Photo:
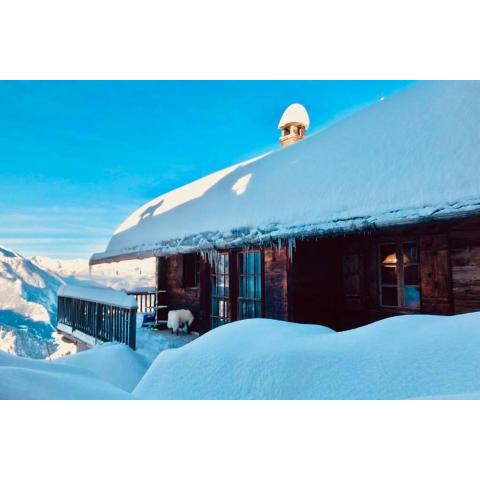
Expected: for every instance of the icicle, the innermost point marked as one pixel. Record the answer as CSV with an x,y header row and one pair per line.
x,y
292,245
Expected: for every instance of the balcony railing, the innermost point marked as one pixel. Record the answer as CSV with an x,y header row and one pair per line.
x,y
102,314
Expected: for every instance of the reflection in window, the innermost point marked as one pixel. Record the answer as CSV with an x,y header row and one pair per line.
x,y
249,284
220,283
399,275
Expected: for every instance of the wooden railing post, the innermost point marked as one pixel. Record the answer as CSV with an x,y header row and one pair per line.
x,y
132,329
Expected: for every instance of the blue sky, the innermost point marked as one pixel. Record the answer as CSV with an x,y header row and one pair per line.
x,y
78,157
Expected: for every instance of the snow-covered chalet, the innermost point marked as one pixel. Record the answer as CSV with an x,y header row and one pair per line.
x,y
376,215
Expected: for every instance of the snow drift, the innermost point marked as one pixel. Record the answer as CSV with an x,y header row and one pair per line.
x,y
409,356
412,157
29,379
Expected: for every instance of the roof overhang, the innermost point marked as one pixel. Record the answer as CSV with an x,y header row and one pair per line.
x,y
341,227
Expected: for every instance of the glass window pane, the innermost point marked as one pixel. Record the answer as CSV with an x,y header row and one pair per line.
x,y
410,253
251,263
389,274
258,287
242,312
226,263
251,286
388,253
258,265
410,273
251,309
258,309
389,296
214,307
411,297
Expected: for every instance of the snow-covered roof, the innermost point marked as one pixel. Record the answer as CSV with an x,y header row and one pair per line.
x,y
409,158
295,113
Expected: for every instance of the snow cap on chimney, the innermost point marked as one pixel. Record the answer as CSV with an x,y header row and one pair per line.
x,y
293,124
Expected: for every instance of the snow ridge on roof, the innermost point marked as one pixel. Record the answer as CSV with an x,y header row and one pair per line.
x,y
412,157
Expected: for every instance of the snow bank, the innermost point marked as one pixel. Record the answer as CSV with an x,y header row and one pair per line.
x,y
412,157
98,294
410,356
113,363
28,379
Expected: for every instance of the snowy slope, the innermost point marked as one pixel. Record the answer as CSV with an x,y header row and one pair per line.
x,y
125,275
27,306
410,356
413,156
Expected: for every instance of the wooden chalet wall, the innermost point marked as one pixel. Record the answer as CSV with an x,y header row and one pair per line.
x,y
465,263
335,281
449,261
179,297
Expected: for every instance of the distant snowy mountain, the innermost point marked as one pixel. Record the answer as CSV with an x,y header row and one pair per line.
x,y
27,307
28,297
125,275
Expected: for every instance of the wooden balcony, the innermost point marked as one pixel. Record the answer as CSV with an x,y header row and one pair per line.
x,y
99,314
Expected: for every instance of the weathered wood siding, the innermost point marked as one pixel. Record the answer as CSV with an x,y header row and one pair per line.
x,y
465,261
276,272
435,277
335,281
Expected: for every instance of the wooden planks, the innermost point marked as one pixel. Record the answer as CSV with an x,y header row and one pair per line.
x,y
465,261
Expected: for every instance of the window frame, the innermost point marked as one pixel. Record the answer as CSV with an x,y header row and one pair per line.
x,y
218,320
400,285
257,300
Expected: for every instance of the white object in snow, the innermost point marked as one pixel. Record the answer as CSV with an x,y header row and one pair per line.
x,y
177,319
413,157
104,295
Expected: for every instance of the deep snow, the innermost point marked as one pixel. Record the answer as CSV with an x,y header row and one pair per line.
x,y
411,356
412,157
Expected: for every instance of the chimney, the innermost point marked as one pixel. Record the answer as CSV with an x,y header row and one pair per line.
x,y
293,124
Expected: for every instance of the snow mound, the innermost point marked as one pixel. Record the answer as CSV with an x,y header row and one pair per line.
x,y
28,379
402,357
412,157
113,363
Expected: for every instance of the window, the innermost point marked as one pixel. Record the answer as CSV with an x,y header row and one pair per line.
x,y
249,284
191,270
399,275
220,282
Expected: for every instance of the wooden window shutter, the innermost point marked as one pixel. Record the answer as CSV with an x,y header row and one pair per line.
x,y
435,274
